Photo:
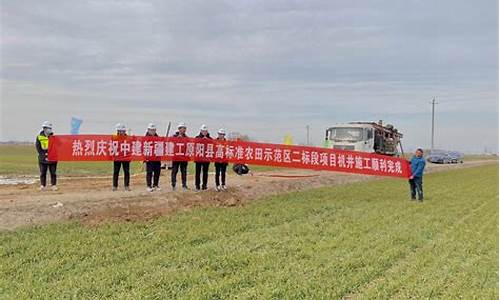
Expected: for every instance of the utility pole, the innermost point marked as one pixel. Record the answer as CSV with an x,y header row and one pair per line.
x,y
307,129
432,127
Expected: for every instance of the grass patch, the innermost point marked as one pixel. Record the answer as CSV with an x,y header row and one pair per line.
x,y
365,239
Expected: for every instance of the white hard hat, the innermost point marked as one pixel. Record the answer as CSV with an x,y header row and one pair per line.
x,y
221,131
181,124
151,126
203,127
120,127
47,124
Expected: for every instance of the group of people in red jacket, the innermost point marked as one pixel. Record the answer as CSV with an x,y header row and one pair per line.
x,y
153,167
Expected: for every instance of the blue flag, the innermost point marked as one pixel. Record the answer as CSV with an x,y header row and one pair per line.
x,y
75,125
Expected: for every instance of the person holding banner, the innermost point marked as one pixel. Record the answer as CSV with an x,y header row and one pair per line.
x,y
42,146
176,165
153,166
202,166
417,164
121,132
220,167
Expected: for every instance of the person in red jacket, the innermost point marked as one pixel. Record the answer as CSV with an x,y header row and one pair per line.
x,y
220,167
153,166
121,132
202,166
176,165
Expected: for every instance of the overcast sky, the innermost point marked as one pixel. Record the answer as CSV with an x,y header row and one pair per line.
x,y
264,68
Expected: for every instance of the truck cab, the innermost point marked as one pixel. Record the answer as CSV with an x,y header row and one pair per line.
x,y
367,137
354,137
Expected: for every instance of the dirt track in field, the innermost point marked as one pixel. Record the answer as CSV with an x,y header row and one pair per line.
x,y
91,201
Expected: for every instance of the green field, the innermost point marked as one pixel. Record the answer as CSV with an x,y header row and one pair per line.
x,y
23,160
364,240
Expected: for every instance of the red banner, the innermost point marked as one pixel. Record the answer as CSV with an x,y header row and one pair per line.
x,y
142,148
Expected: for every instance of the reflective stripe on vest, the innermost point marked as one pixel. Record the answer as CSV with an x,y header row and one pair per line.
x,y
44,142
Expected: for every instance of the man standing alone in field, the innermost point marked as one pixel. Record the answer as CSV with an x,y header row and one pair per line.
x,y
417,172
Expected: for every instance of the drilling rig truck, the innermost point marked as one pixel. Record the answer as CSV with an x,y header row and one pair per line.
x,y
368,137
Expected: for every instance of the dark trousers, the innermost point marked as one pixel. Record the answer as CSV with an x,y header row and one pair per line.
x,y
43,173
126,172
220,173
153,169
201,167
176,165
416,188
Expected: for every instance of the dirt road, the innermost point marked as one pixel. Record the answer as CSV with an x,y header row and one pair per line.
x,y
91,200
